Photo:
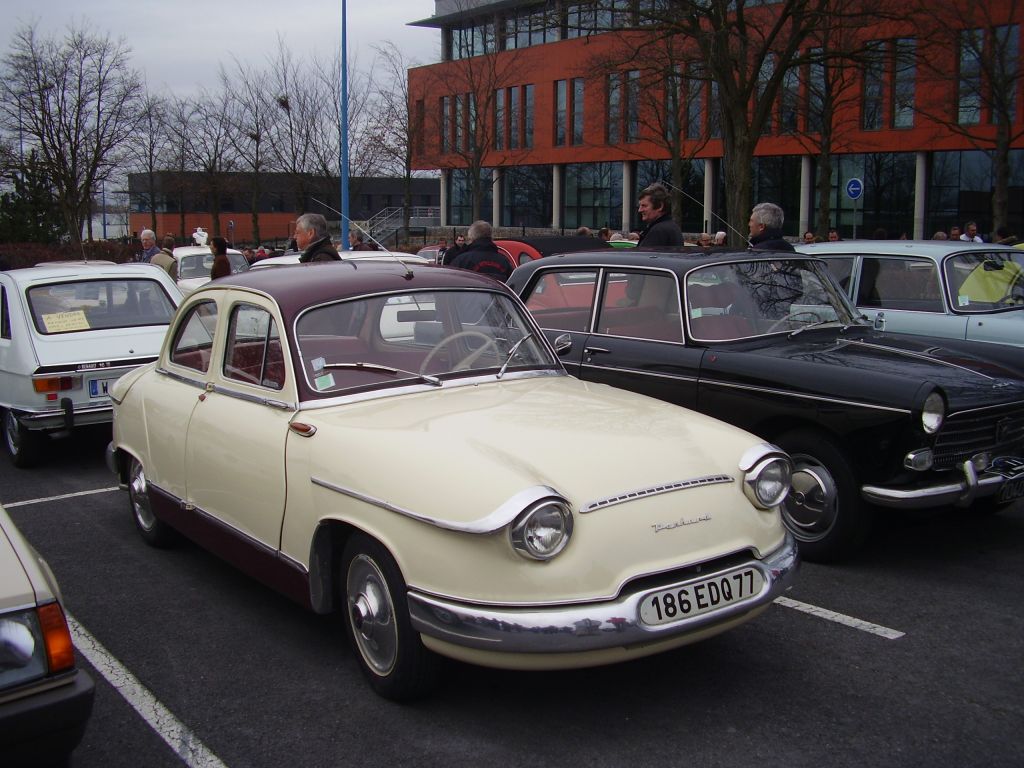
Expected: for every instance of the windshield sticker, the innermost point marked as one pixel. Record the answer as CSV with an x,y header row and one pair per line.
x,y
325,382
318,363
963,301
60,322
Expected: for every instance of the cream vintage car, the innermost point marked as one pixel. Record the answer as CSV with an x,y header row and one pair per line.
x,y
402,445
67,332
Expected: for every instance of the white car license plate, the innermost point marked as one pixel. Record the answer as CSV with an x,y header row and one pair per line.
x,y
98,387
684,601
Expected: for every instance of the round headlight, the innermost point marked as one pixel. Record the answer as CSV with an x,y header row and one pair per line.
x,y
543,530
933,413
767,484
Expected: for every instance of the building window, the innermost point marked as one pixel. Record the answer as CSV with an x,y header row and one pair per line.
x,y
969,80
513,118
577,110
816,93
419,125
673,103
695,105
1006,41
561,106
903,76
499,119
789,103
446,124
874,86
614,114
528,27
527,195
593,195
632,105
460,122
527,117
569,112
763,78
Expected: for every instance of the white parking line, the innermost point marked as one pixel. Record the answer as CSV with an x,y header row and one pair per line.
x,y
839,618
12,504
185,744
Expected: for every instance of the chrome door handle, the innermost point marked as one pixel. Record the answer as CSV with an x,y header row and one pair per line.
x,y
592,350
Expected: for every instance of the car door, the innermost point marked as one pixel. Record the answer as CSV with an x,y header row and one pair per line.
x,y
562,302
237,431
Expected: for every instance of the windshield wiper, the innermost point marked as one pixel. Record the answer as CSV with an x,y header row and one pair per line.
x,y
815,324
511,352
374,367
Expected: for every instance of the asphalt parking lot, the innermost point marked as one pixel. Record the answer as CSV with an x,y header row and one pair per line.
x,y
909,655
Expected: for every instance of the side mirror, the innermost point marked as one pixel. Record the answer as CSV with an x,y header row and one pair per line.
x,y
563,343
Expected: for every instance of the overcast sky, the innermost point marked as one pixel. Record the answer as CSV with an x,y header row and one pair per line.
x,y
179,44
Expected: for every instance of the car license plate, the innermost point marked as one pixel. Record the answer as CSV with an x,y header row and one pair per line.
x,y
1011,468
693,598
1012,490
98,387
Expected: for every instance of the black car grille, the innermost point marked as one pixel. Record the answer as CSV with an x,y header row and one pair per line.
x,y
999,431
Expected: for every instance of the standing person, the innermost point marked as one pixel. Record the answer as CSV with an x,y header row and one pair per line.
x,y
833,235
655,209
766,228
704,240
809,237
221,265
455,251
604,233
149,248
971,234
442,246
720,237
355,241
312,239
482,255
954,232
164,258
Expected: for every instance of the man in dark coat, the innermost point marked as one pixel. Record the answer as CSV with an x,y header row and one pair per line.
x,y
482,255
312,238
655,209
450,254
766,228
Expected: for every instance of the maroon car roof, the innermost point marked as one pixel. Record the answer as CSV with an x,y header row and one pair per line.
x,y
303,285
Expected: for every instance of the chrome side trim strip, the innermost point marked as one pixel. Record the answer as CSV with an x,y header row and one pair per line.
x,y
495,521
917,356
654,490
804,396
638,372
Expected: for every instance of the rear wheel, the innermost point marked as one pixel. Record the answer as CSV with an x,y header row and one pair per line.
x,y
823,510
390,651
23,446
154,532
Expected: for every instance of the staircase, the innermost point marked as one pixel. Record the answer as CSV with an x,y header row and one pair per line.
x,y
387,222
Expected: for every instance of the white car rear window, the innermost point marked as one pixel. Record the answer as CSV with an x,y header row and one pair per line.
x,y
89,305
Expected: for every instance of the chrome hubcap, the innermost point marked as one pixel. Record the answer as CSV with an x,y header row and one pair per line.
x,y
11,432
140,497
811,508
372,615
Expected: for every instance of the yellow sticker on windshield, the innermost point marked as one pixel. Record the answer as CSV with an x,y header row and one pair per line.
x,y
60,322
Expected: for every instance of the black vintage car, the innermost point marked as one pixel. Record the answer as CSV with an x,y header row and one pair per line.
x,y
769,342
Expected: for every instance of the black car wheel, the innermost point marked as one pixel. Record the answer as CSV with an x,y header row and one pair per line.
x,y
153,531
823,510
390,651
22,445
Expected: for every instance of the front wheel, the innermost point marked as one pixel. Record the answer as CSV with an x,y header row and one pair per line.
x,y
22,445
391,654
154,532
823,509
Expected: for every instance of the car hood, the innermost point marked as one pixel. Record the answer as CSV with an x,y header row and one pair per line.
x,y
890,369
456,454
142,342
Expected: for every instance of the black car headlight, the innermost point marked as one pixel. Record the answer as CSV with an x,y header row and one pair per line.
x,y
542,530
767,482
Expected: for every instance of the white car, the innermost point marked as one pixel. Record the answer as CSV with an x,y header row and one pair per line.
x,y
45,701
196,261
292,257
67,332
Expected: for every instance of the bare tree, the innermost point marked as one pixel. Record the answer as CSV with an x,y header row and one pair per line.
x,y
210,150
293,128
250,113
180,127
147,149
77,100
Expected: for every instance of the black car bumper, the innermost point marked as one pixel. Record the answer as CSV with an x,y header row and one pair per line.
x,y
1004,479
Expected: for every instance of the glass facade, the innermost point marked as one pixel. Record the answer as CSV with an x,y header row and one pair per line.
x,y
593,195
651,171
960,190
527,194
460,197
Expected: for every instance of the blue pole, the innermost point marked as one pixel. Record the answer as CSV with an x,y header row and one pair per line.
x,y
344,126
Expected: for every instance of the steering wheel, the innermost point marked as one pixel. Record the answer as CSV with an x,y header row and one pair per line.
x,y
791,316
1014,297
469,359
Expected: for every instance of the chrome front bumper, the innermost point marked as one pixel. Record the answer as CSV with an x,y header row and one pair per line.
x,y
587,626
960,492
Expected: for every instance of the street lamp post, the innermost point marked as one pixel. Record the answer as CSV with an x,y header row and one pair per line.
x,y
344,127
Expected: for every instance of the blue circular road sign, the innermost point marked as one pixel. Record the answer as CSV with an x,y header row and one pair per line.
x,y
854,189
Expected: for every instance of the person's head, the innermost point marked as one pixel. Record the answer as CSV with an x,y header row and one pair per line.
x,y
477,230
704,239
219,246
720,237
765,216
148,238
355,237
954,232
443,242
972,229
604,233
583,232
654,202
809,236
833,235
616,237
940,235
309,228
460,239
168,242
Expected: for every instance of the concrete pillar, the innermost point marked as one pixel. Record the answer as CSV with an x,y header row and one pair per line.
x,y
557,177
710,171
628,182
444,198
806,188
920,195
497,201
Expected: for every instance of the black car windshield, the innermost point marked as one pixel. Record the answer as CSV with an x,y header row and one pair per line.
x,y
755,298
986,282
416,337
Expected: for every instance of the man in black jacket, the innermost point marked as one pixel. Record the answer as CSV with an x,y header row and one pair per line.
x,y
482,255
312,239
766,228
655,209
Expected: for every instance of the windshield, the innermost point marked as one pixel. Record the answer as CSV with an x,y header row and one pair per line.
x,y
754,298
986,282
90,305
194,265
407,338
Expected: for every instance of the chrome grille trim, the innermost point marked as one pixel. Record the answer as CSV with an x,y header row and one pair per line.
x,y
995,430
654,490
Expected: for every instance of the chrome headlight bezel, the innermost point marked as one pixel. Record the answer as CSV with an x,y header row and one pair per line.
x,y
933,412
767,483
542,519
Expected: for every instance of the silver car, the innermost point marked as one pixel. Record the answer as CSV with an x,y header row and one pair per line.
x,y
954,289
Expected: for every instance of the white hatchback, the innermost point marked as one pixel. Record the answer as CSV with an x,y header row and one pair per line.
x,y
196,261
67,332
